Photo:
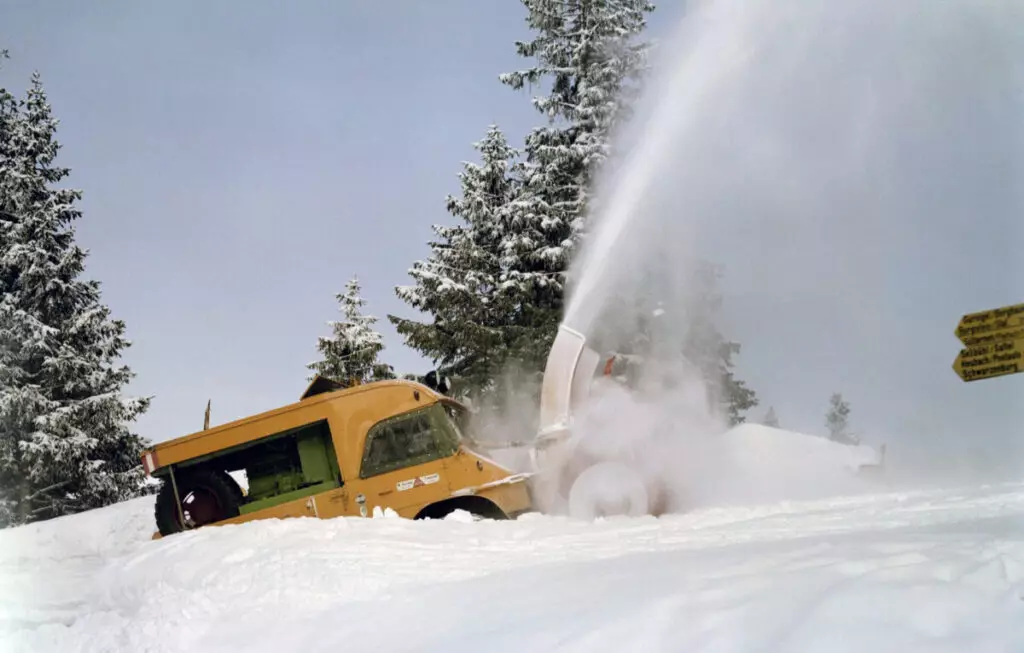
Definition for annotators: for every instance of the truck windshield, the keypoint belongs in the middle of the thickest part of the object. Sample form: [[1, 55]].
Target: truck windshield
[[458, 419], [449, 437]]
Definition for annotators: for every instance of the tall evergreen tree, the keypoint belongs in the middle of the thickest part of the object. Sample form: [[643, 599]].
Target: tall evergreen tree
[[662, 322], [838, 420], [351, 353], [585, 49], [8, 122], [770, 419], [65, 444], [710, 351], [460, 285]]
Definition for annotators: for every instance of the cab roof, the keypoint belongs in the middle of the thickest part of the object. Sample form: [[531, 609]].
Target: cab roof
[[318, 391]]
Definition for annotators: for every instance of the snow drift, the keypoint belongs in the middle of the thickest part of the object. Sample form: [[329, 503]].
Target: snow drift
[[755, 463], [941, 570], [937, 570]]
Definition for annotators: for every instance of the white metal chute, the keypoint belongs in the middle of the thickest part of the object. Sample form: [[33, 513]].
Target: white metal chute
[[567, 377]]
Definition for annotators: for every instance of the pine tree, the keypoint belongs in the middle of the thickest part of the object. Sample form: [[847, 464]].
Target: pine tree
[[585, 49], [709, 351], [9, 124], [770, 419], [65, 445], [471, 329], [351, 353], [664, 323], [838, 421]]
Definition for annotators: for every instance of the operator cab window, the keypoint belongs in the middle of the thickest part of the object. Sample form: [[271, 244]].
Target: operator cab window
[[400, 442]]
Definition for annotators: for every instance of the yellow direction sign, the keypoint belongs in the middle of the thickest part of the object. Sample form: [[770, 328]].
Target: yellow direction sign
[[992, 326], [989, 361]]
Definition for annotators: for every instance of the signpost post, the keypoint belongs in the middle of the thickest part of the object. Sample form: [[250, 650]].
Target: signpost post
[[993, 343]]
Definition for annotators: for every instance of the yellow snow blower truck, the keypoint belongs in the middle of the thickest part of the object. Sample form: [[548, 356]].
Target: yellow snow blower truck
[[398, 444], [338, 451]]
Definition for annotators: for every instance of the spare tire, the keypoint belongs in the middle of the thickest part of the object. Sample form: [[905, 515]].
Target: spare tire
[[207, 496]]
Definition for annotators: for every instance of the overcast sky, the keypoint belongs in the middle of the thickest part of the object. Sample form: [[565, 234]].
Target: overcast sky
[[240, 161]]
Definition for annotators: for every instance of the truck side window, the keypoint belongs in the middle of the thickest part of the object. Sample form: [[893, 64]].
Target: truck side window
[[400, 442]]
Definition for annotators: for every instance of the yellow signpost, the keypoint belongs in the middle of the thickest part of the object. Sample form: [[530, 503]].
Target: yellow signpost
[[988, 361], [993, 343]]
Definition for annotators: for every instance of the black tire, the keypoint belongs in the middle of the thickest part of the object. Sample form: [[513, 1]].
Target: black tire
[[235, 487], [479, 507], [217, 493]]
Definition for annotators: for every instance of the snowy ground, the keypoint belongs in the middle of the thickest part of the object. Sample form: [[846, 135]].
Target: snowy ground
[[931, 570]]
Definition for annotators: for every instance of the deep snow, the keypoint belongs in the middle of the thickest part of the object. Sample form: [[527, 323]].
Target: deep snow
[[928, 570]]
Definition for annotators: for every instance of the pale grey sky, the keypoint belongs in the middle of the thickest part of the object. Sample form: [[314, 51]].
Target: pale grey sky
[[240, 161]]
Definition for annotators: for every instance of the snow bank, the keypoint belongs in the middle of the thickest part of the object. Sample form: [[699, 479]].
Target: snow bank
[[926, 571], [777, 450], [48, 569], [755, 463], [935, 571]]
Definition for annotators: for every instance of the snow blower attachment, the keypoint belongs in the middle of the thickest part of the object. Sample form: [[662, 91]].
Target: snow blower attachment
[[576, 478]]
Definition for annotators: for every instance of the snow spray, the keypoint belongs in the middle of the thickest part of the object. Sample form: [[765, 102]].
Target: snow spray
[[814, 148]]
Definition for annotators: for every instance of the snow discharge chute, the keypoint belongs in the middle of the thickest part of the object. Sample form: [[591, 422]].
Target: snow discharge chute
[[567, 377]]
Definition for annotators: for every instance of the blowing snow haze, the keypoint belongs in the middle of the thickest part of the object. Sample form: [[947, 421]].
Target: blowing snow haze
[[855, 167]]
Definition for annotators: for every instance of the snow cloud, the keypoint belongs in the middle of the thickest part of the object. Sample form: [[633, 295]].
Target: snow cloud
[[854, 168]]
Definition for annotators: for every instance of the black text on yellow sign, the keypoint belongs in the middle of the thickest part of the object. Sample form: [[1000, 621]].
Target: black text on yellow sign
[[989, 327], [990, 360]]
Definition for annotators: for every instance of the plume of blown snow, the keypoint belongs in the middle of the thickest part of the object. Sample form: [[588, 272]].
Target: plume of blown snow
[[822, 152], [658, 449]]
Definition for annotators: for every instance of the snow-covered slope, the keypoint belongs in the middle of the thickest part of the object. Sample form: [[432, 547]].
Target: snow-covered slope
[[937, 570], [759, 463], [768, 450]]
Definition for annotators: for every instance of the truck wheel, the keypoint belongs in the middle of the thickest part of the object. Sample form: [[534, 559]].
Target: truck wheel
[[207, 496], [478, 507], [236, 489], [608, 489]]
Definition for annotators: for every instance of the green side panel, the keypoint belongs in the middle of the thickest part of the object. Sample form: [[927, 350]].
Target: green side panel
[[332, 459], [264, 486], [316, 467], [286, 497]]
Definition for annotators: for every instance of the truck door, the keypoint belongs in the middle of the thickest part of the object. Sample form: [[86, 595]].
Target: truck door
[[403, 466]]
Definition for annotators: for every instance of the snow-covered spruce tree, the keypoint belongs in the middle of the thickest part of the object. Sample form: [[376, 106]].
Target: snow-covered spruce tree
[[8, 119], [470, 330], [351, 353], [585, 50], [662, 325], [838, 420], [65, 444], [770, 419], [706, 347]]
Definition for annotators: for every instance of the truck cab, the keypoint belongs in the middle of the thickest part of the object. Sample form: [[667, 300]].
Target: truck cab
[[338, 451]]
